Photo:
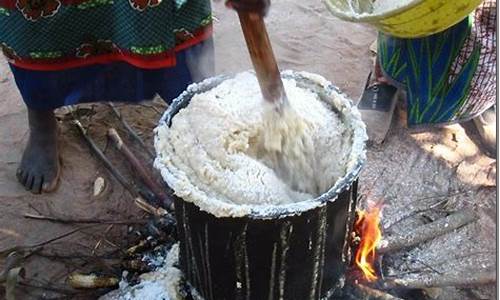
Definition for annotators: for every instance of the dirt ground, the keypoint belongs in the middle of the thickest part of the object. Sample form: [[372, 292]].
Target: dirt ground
[[408, 172]]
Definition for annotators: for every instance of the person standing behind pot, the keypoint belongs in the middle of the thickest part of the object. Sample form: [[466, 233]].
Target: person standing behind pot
[[448, 77], [65, 52]]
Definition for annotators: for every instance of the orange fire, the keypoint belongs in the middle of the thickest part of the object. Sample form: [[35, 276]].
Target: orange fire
[[368, 227]]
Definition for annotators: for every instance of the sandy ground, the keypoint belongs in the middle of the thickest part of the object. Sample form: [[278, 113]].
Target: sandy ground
[[408, 172]]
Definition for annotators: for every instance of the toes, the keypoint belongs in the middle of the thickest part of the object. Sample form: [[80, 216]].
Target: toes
[[19, 175], [29, 182], [50, 185], [23, 176], [37, 185]]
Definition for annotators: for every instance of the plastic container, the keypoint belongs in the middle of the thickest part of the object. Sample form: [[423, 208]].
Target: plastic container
[[417, 18], [297, 251]]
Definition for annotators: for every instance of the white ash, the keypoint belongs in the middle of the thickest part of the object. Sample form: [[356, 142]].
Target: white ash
[[161, 284]]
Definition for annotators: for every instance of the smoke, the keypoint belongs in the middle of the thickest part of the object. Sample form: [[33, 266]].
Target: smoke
[[200, 60]]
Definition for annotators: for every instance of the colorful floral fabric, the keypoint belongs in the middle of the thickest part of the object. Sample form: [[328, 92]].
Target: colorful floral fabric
[[61, 34], [449, 76]]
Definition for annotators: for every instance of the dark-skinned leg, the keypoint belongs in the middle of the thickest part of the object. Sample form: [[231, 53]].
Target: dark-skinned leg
[[40, 167]]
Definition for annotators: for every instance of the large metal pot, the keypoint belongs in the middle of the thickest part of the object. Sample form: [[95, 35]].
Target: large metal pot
[[297, 251]]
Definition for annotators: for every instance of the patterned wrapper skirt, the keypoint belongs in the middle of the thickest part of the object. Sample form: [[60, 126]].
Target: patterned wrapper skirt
[[450, 76], [64, 52]]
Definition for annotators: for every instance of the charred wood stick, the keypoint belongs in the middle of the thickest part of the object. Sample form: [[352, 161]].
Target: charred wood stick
[[456, 279], [137, 265], [131, 131], [116, 174], [144, 174], [427, 232], [82, 221], [373, 294], [132, 189], [155, 211], [72, 256]]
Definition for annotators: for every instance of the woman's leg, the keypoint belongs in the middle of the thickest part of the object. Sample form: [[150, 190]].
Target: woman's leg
[[39, 169]]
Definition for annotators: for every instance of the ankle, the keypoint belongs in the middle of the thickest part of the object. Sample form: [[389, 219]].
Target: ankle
[[42, 120], [43, 127]]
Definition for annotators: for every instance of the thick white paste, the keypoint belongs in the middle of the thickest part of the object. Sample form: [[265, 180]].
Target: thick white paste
[[213, 149]]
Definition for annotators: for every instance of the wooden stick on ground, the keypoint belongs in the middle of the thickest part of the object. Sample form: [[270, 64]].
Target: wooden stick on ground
[[131, 131], [144, 174], [427, 232], [370, 293], [156, 211], [51, 240], [456, 279], [83, 221], [116, 174], [132, 189]]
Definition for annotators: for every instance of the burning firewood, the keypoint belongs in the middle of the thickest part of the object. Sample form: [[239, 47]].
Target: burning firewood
[[373, 294], [367, 230], [426, 232], [456, 279]]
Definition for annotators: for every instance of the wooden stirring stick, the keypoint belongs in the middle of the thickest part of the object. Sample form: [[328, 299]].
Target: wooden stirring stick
[[263, 58]]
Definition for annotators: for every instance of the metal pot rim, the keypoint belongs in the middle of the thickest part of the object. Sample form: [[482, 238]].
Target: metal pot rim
[[340, 101]]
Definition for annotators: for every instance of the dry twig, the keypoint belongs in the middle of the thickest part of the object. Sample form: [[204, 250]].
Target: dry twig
[[131, 131], [117, 174], [132, 189], [156, 211], [51, 240], [427, 232], [146, 176], [456, 279], [83, 221], [370, 293]]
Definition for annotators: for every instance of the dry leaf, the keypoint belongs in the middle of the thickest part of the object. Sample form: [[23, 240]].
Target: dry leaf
[[12, 261], [99, 186], [10, 284]]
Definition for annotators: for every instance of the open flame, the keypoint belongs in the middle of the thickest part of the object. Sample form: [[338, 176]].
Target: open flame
[[368, 227]]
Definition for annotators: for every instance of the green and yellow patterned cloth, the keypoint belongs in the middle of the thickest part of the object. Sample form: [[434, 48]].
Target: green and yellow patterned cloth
[[61, 34], [449, 76]]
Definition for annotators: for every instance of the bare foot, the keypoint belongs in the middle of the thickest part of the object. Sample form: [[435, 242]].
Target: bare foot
[[39, 168]]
